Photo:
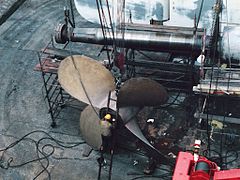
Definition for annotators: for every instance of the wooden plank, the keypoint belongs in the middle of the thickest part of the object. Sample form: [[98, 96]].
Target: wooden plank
[[48, 66]]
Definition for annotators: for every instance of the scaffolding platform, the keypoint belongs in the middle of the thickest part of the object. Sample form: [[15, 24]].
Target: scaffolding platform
[[220, 81], [49, 61], [220, 89]]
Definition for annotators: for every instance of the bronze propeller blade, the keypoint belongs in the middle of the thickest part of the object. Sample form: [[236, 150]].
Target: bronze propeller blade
[[90, 127], [133, 127], [141, 92], [90, 82], [80, 74]]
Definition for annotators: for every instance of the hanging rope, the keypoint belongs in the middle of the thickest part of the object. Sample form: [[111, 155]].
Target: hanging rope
[[200, 13]]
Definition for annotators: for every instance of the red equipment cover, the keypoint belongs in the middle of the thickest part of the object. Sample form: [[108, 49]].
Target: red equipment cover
[[232, 174], [183, 165]]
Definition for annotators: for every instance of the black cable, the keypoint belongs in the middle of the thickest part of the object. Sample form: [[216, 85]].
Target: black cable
[[58, 142], [41, 153], [225, 114], [111, 24], [83, 86], [199, 14], [211, 157], [228, 156], [100, 162], [228, 82], [102, 19], [73, 18], [163, 176], [62, 133], [171, 103], [223, 160], [45, 156], [145, 55], [143, 155], [209, 91], [164, 84], [122, 29], [222, 131]]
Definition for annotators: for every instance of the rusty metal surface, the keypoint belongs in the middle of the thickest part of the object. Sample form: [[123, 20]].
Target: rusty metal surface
[[81, 74], [142, 92]]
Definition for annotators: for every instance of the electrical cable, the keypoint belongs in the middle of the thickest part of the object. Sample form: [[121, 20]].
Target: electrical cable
[[235, 153], [199, 14], [111, 24], [72, 13], [121, 18], [83, 86], [171, 103], [140, 154], [220, 158], [214, 34], [145, 55], [45, 156], [163, 176], [224, 105], [164, 84], [99, 4], [113, 34], [102, 19], [42, 154], [228, 38], [80, 78]]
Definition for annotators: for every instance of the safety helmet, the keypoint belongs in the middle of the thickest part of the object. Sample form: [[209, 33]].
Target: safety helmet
[[107, 117]]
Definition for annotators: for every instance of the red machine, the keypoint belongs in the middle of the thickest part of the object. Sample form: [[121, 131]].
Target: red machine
[[189, 169]]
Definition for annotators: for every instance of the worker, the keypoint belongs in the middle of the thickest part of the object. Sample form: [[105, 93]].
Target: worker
[[107, 125]]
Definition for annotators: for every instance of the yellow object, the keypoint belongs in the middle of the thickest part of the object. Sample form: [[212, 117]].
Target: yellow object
[[107, 117], [217, 124], [224, 66]]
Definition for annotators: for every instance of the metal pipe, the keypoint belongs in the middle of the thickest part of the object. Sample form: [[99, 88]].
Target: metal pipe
[[152, 41], [163, 39]]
